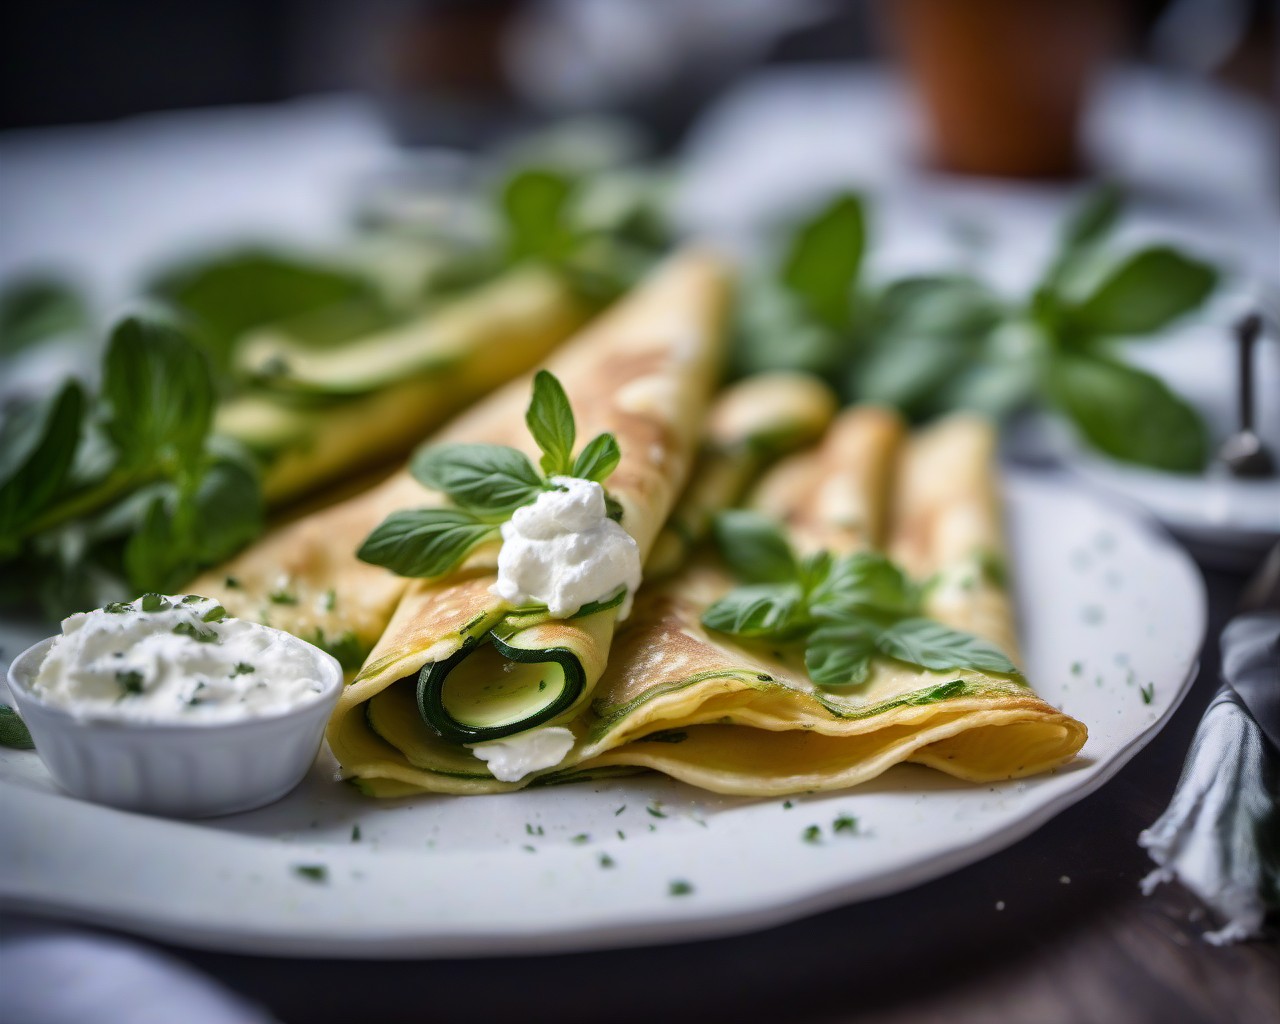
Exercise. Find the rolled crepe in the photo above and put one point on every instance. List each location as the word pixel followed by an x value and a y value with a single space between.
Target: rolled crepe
pixel 752 423
pixel 745 719
pixel 445 359
pixel 645 371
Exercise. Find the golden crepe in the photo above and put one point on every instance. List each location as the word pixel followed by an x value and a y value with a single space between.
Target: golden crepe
pixel 372 398
pixel 645 372
pixel 744 718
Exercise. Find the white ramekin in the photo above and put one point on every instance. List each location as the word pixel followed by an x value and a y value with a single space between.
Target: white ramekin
pixel 183 769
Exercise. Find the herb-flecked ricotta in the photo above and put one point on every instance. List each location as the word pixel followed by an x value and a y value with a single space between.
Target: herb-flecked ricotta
pixel 175 659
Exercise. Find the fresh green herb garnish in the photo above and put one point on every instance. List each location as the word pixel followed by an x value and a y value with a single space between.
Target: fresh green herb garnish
pixel 534 830
pixel 130 681
pixel 35 309
pixel 231 583
pixel 679 887
pixel 930 344
pixel 215 614
pixel 312 872
pixel 282 597
pixel 845 823
pixel 192 599
pixel 117 607
pixel 580 839
pixel 619 810
pixel 346 647
pixel 486 484
pixel 355 833
pixel 126 488
pixel 155 603
pixel 812 834
pixel 242 669
pixel 1148 693
pixel 606 861
pixel 655 811
pixel 190 629
pixel 330 600
pixel 843 612
pixel 787 805
pixel 13 730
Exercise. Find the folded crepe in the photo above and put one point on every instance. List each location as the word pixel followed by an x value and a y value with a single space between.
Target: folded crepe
pixel 305 578
pixel 369 399
pixel 458 654
pixel 744 718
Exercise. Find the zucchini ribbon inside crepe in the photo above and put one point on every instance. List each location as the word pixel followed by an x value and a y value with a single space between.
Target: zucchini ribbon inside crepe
pixel 314 413
pixel 459 667
pixel 921 669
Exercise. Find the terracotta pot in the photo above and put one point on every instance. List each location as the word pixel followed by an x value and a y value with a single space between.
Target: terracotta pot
pixel 1004 83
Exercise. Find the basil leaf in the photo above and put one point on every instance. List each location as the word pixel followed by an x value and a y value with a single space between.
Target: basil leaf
pixel 13 730
pixel 773 331
pixel 153 555
pixel 865 580
pixel 1149 290
pixel 1093 220
pixel 228 510
pixel 160 392
pixel 550 420
pixel 38 308
pixel 486 479
pixel 930 644
pixel 535 206
pixel 424 542
pixel 824 257
pixel 1128 414
pixel 38 451
pixel 229 293
pixel 840 654
pixel 598 459
pixel 758 610
pixel 754 547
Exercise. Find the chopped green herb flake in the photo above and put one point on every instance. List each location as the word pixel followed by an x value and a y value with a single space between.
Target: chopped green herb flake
pixel 845 823
pixel 118 607
pixel 215 614
pixel 330 601
pixel 312 872
pixel 13 730
pixel 580 838
pixel 621 834
pixel 619 810
pixel 787 805
pixel 231 583
pixel 192 599
pixel 155 603
pixel 130 681
pixel 190 629
pixel 812 834
pixel 282 597
pixel 655 811
pixel 606 861
pixel 679 887
pixel 534 830
pixel 1076 668
pixel 1148 693
pixel 243 668
pixel 528 849
pixel 355 833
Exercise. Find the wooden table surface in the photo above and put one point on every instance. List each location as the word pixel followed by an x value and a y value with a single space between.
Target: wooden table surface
pixel 1074 942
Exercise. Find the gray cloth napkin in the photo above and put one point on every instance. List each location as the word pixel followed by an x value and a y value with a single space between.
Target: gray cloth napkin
pixel 1220 836
pixel 57 974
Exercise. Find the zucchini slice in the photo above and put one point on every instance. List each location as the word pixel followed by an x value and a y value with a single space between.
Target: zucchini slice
pixel 490 690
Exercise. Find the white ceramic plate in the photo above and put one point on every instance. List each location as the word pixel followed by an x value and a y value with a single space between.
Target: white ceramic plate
pixel 1112 621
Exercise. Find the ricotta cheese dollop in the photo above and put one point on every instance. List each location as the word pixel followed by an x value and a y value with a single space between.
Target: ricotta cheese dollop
pixel 511 759
pixel 564 551
pixel 174 658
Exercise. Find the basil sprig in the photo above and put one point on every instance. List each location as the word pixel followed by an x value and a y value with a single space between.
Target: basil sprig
pixel 486 484
pixel 842 612
pixel 125 490
pixel 929 344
